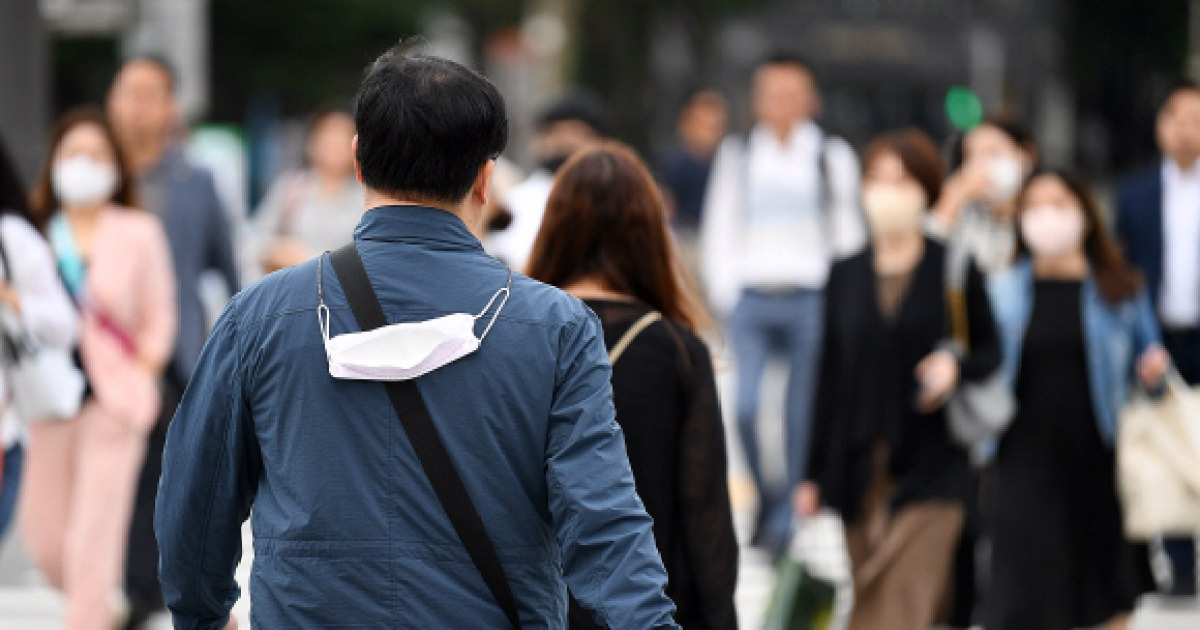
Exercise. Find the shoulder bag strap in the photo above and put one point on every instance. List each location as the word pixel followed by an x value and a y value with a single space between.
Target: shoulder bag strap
pixel 957 261
pixel 418 425
pixel 636 329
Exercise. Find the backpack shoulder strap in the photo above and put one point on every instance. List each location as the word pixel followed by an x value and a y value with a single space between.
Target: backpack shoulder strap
pixel 418 425
pixel 636 329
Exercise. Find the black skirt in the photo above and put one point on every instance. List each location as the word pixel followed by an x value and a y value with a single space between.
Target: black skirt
pixel 1060 559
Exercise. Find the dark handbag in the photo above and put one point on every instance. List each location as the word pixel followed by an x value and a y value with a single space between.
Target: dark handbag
pixel 418 425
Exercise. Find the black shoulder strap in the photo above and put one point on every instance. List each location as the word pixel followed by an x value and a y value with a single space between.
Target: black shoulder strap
pixel 414 417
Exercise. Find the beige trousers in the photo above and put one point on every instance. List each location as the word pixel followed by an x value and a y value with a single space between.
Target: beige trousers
pixel 76 502
pixel 901 562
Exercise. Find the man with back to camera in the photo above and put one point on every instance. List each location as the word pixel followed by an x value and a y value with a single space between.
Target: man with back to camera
pixel 349 527
pixel 144 113
pixel 1158 222
pixel 782 203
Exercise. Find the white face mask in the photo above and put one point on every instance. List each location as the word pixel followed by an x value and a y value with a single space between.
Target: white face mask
pixel 1050 231
pixel 82 180
pixel 1005 174
pixel 891 209
pixel 400 352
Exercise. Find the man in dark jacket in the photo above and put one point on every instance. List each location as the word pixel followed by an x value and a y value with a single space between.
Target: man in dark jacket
pixel 1158 221
pixel 145 116
pixel 348 528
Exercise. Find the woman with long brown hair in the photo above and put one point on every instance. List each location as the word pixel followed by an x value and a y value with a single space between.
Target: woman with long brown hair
pixel 81 472
pixel 605 239
pixel 1075 325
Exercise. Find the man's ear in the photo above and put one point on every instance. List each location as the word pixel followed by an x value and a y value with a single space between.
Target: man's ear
pixel 482 189
pixel 354 152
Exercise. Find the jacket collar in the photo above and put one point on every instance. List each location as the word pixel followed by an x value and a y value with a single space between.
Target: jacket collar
pixel 415 224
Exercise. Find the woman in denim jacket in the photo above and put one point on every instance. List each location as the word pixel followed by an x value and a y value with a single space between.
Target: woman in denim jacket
pixel 1075 326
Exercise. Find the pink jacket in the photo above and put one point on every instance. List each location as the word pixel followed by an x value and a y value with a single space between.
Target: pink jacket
pixel 129 314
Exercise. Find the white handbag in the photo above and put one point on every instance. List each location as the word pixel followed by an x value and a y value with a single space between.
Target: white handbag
pixel 44 383
pixel 1158 462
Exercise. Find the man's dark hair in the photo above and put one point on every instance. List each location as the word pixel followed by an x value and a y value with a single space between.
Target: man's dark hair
pixel 786 58
pixel 1180 85
pixel 425 126
pixel 576 106
pixel 158 61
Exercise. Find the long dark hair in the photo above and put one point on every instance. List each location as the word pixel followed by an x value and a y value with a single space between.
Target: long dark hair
pixel 44 202
pixel 1118 281
pixel 606 217
pixel 12 191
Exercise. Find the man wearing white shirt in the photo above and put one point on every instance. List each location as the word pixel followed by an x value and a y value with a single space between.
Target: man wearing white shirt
pixel 782 204
pixel 1158 220
pixel 573 122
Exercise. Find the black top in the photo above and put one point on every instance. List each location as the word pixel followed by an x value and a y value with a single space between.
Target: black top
pixel 867 391
pixel 666 399
pixel 1060 558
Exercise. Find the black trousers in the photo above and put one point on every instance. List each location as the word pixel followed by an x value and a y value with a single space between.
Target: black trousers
pixel 141 561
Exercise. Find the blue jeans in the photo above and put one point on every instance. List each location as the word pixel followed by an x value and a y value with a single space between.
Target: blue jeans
pixel 767 324
pixel 14 458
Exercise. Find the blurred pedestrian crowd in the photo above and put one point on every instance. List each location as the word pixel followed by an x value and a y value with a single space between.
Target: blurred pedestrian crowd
pixel 963 329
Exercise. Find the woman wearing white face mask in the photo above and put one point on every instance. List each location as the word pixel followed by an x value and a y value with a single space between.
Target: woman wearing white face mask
pixel 80 473
pixel 882 455
pixel 1075 325
pixel 978 202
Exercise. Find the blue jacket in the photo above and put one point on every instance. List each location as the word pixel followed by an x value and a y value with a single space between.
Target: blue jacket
pixel 348 532
pixel 1140 224
pixel 1114 337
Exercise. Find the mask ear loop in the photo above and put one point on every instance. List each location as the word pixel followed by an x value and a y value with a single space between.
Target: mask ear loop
pixel 507 291
pixel 322 309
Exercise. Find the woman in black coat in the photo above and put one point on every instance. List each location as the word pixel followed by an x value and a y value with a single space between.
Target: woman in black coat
pixel 604 239
pixel 882 455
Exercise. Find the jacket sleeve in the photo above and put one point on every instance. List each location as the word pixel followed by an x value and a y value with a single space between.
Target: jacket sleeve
pixel 1147 332
pixel 159 309
pixel 220 239
pixel 849 230
pixel 210 472
pixel 984 356
pixel 719 225
pixel 608 553
pixel 827 365
pixel 704 496
pixel 46 311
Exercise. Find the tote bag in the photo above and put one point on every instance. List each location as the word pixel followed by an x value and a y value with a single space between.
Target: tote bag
pixel 814 589
pixel 1158 462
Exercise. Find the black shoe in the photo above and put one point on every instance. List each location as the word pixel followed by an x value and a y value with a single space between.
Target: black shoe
pixel 138 618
